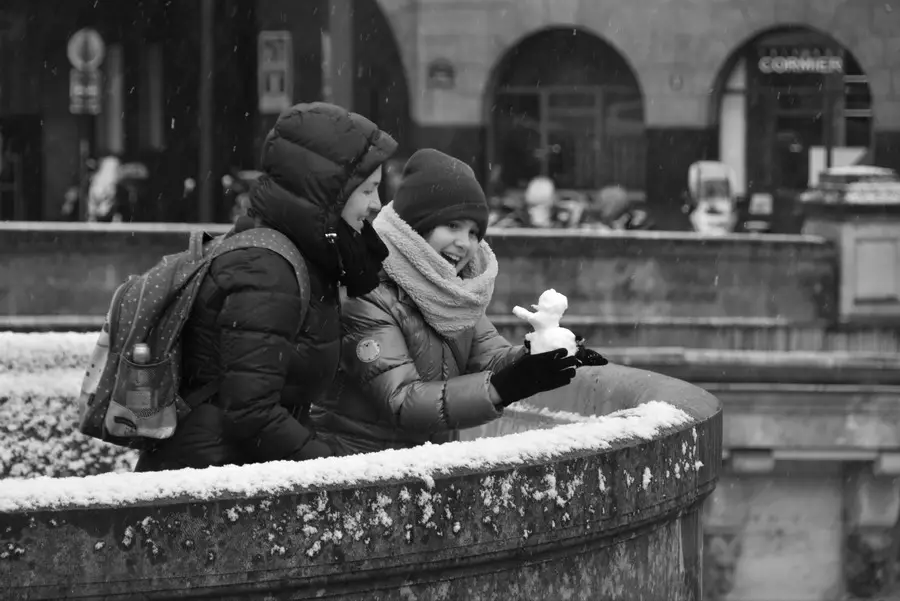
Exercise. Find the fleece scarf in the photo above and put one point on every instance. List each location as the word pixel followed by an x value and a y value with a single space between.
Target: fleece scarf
pixel 450 303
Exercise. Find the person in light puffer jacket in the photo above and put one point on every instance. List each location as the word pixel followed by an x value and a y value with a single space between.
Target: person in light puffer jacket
pixel 420 359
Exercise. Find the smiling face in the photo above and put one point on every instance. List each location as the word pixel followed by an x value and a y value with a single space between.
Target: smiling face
pixel 456 242
pixel 363 201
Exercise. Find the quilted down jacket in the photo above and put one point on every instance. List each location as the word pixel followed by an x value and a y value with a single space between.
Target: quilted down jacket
pixel 401 383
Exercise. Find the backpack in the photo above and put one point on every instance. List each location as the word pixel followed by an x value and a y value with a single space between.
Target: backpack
pixel 152 309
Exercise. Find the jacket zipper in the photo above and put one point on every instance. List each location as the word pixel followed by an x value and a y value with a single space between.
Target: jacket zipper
pixel 331 236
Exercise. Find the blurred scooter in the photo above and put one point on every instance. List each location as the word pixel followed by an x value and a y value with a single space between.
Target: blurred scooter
pixel 111 189
pixel 711 205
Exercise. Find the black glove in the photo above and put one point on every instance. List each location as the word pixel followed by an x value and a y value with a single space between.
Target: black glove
pixel 587 356
pixel 533 374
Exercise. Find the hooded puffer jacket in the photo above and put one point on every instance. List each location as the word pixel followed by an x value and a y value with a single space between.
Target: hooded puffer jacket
pixel 401 383
pixel 244 331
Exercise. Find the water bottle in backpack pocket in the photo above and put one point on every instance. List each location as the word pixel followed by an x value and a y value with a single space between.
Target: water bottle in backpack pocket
pixel 144 401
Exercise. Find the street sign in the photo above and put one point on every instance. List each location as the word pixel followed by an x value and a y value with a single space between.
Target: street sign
pixel 84 92
pixel 86 49
pixel 275 72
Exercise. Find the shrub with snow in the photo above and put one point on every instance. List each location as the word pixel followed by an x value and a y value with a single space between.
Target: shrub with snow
pixel 38 434
pixel 40 377
pixel 46 350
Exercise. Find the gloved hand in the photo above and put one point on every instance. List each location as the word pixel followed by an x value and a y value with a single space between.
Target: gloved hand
pixel 587 356
pixel 533 374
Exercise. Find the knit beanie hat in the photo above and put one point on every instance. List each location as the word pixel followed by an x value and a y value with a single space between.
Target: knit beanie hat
pixel 437 189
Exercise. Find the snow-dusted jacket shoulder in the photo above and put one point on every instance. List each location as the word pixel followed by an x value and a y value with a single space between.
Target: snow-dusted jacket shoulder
pixel 401 383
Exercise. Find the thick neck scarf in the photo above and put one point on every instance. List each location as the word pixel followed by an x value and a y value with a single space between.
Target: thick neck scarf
pixel 450 303
pixel 361 256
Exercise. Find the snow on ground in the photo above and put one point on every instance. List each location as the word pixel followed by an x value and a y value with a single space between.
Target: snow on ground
pixel 421 463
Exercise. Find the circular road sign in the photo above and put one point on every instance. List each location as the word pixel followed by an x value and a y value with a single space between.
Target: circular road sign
pixel 86 49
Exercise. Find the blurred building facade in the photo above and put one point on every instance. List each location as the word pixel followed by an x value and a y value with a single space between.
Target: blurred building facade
pixel 591 94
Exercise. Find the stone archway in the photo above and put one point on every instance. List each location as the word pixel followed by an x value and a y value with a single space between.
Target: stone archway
pixel 563 102
pixel 788 102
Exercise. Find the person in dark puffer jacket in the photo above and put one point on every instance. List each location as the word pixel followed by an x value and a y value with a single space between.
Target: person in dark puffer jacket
pixel 322 167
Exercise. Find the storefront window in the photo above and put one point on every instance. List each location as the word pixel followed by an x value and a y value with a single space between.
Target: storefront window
pixel 808 107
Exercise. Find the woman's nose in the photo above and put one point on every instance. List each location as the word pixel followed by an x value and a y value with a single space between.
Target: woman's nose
pixel 375 202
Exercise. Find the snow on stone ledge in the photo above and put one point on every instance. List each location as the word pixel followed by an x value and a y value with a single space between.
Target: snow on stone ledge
pixel 558 416
pixel 420 463
pixel 45 350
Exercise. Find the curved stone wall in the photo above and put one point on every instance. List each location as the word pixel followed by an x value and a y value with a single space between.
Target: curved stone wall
pixel 566 504
pixel 627 276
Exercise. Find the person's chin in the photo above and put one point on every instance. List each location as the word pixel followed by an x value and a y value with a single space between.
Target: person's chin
pixel 356 224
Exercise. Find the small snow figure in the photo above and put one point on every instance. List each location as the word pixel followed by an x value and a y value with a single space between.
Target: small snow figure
pixel 547 335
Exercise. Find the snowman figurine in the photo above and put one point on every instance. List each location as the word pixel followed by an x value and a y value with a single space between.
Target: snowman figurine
pixel 547 334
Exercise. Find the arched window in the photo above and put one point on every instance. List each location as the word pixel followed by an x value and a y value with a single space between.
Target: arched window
pixel 566 105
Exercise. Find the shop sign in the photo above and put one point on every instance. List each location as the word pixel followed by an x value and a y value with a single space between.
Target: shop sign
pixel 86 49
pixel 275 71
pixel 84 92
pixel 782 65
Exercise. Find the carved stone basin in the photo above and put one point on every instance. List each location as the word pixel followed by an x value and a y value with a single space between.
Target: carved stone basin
pixel 564 504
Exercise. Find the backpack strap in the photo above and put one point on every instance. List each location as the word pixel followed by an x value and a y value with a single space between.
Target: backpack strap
pixel 204 393
pixel 269 239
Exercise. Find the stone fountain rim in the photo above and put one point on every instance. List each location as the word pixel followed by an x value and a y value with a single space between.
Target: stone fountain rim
pixel 581 439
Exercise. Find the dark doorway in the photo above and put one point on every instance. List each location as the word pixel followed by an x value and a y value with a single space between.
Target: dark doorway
pixel 21 168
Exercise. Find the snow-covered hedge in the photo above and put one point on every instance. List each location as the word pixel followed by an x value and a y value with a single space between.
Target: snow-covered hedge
pixel 40 376
pixel 38 437
pixel 46 350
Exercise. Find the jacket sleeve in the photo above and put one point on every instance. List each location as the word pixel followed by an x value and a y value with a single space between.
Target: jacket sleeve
pixel 259 317
pixel 490 350
pixel 375 355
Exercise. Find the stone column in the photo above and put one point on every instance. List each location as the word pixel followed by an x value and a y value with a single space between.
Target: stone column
pixel 871 542
pixel 725 514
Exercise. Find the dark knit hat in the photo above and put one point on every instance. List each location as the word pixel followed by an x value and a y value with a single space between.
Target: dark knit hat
pixel 437 189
